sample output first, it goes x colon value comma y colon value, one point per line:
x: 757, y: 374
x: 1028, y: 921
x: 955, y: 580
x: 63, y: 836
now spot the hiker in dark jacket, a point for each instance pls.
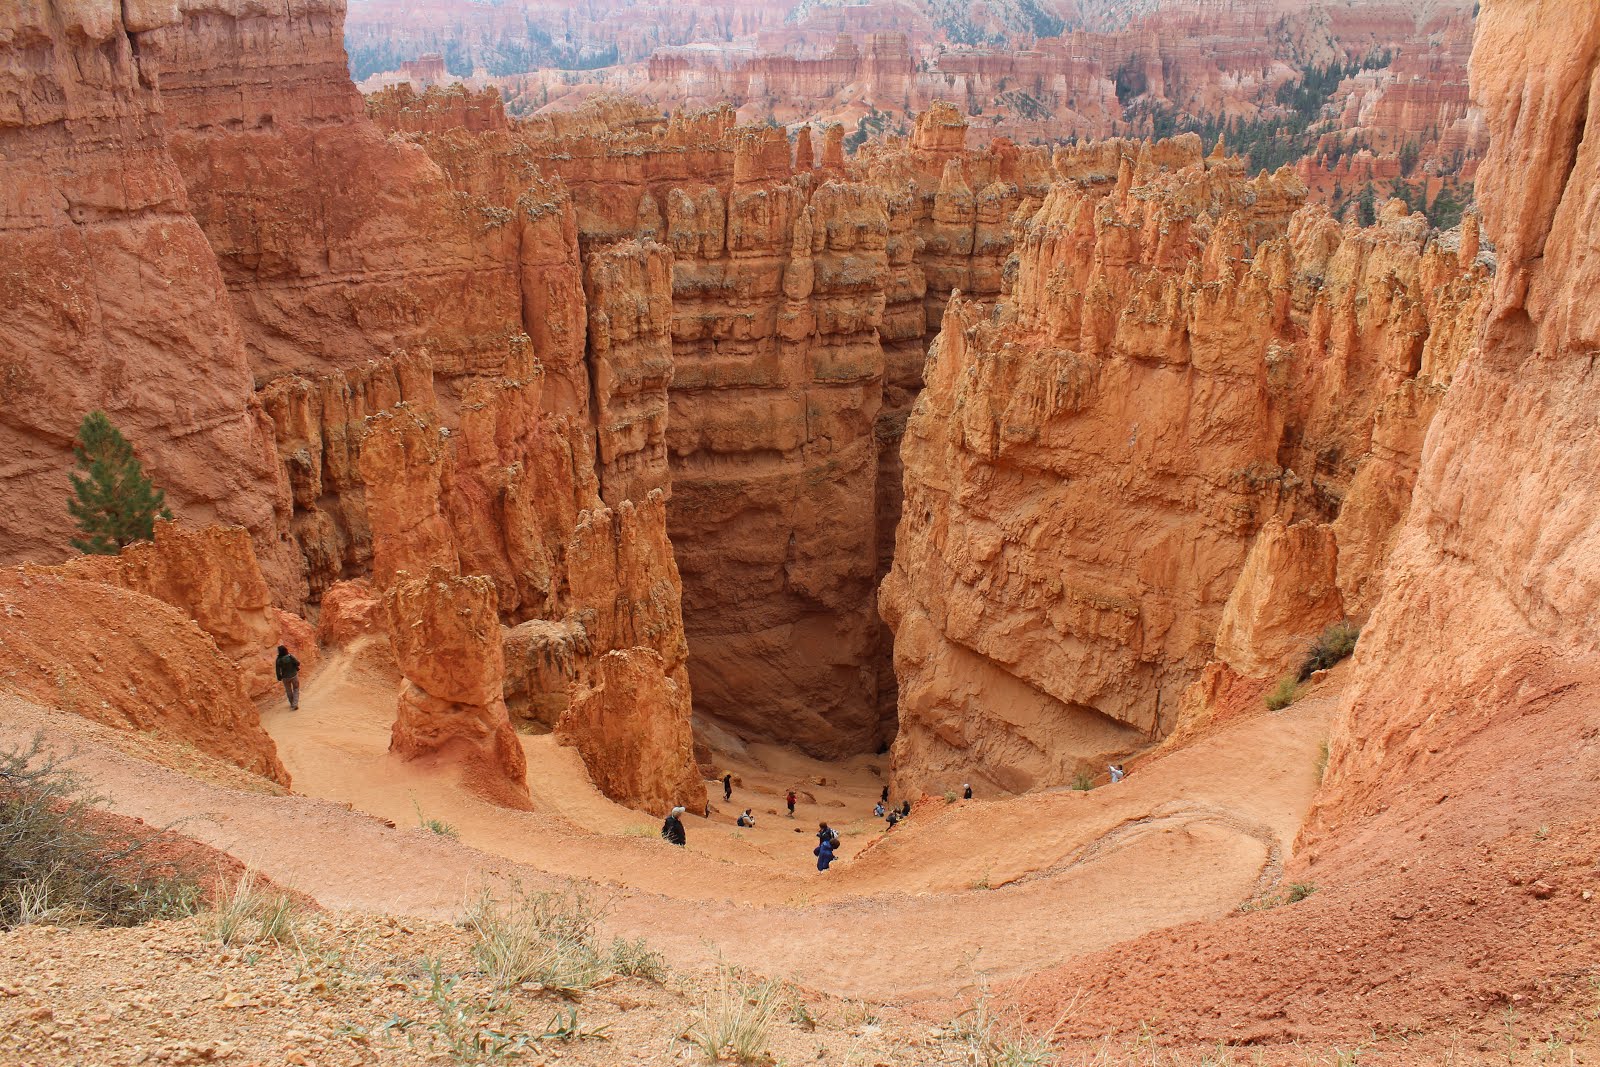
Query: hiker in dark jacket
x: 827, y: 835
x: 287, y: 668
x: 824, y: 854
x: 672, y: 829
x: 966, y: 792
x: 727, y: 787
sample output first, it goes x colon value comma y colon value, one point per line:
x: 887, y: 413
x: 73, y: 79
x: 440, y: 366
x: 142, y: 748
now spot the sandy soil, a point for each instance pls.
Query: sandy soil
x: 907, y: 916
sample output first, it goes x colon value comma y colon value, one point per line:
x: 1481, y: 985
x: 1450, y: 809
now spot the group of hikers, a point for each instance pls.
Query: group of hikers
x: 827, y: 837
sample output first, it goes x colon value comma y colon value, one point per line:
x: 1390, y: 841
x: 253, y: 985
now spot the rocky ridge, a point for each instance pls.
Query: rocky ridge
x: 1188, y: 434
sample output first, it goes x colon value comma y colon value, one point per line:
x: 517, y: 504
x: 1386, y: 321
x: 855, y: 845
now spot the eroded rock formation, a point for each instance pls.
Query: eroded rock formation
x: 126, y: 659
x: 315, y: 330
x: 113, y: 297
x: 1485, y: 633
x: 632, y: 728
x: 212, y: 576
x: 445, y: 632
x: 786, y: 310
x: 1186, y: 358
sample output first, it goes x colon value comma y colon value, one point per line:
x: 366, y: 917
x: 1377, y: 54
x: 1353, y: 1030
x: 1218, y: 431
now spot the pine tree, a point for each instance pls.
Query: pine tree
x: 1367, y: 206
x: 112, y: 500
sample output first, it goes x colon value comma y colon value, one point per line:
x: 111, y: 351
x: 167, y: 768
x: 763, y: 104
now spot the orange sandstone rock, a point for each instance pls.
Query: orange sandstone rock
x: 632, y: 727
x: 445, y: 633
x: 1487, y: 618
x: 1185, y: 359
x: 126, y: 659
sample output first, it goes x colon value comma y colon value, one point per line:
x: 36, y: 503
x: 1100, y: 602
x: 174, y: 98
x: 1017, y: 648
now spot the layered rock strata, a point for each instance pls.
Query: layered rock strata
x: 426, y: 396
x: 1186, y: 358
x: 114, y: 300
x: 1485, y: 628
x: 802, y: 294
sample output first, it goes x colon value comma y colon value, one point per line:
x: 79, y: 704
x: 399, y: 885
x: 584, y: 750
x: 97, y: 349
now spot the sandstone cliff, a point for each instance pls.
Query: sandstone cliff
x: 1483, y: 647
x: 324, y: 334
x: 1186, y: 358
x: 113, y: 298
x: 765, y: 375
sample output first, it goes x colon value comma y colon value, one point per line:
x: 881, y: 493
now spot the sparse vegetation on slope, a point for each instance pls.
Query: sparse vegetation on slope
x: 1334, y: 644
x: 57, y: 867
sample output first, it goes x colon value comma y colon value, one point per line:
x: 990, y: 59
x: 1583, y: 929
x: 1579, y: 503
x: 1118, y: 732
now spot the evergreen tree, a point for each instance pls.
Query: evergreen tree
x: 1367, y: 206
x: 112, y: 500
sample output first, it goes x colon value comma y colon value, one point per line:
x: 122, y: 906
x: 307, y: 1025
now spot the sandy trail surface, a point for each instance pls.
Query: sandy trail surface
x: 962, y: 893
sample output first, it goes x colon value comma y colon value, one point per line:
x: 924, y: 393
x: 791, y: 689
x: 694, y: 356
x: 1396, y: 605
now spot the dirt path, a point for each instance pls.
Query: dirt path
x: 906, y: 915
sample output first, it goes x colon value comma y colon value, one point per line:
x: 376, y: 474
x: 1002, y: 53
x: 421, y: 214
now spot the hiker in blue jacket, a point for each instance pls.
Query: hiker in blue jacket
x: 824, y: 854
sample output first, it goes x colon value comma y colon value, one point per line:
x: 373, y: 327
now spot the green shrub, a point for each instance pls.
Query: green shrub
x: 1083, y: 781
x: 58, y: 867
x: 1283, y: 694
x: 1332, y: 645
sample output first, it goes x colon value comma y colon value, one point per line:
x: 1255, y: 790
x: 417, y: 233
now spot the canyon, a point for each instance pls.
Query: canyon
x: 657, y: 381
x: 585, y: 454
x: 1372, y: 95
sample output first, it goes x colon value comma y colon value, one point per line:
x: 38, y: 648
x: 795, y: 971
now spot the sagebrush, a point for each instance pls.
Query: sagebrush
x: 1335, y: 643
x: 57, y: 866
x: 1283, y: 694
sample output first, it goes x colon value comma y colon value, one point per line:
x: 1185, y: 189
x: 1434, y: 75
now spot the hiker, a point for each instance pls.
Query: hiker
x: 966, y: 791
x: 878, y: 809
x: 905, y: 809
x: 1117, y: 773
x: 885, y: 795
x: 894, y: 817
x: 672, y: 829
x: 727, y: 787
x: 824, y: 854
x: 287, y: 668
x: 827, y: 835
x: 791, y: 803
x: 747, y: 819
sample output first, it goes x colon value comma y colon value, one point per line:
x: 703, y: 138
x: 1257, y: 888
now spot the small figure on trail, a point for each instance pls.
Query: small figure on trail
x: 905, y: 809
x: 894, y: 817
x: 287, y: 668
x: 791, y: 803
x: 824, y: 854
x: 727, y: 787
x: 878, y: 809
x: 672, y: 829
x: 827, y: 835
x: 1117, y: 773
x: 708, y: 810
x: 966, y: 791
x: 884, y: 796
x: 747, y: 819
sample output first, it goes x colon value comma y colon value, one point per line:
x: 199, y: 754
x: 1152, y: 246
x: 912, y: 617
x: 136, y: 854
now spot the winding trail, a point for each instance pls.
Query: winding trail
x: 908, y: 915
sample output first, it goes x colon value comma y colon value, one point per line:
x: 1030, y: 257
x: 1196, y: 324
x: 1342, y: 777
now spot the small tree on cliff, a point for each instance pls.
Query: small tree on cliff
x: 112, y: 500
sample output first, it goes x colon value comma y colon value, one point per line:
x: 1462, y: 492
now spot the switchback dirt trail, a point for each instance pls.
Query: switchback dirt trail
x: 906, y: 915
